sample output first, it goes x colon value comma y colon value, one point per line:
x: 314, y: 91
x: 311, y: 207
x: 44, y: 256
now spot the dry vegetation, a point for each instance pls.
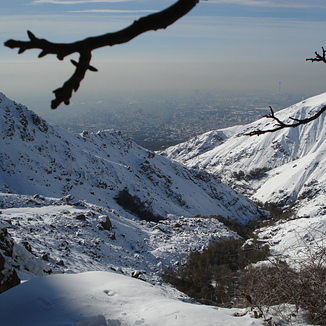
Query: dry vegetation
x: 242, y: 273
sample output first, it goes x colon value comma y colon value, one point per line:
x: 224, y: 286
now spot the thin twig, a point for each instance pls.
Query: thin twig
x: 281, y: 125
x: 318, y: 57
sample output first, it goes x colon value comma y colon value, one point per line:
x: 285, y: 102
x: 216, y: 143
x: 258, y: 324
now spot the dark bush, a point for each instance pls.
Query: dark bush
x: 254, y: 174
x: 277, y: 212
x: 134, y: 205
x: 243, y: 230
x: 223, y: 275
x: 213, y: 275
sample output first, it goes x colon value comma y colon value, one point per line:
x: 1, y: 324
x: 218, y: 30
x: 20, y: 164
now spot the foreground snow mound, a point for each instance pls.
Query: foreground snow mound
x: 279, y: 167
x: 106, y: 169
x: 104, y: 299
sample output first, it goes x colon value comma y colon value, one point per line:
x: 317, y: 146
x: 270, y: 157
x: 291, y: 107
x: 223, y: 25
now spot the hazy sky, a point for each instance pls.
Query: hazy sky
x: 234, y: 45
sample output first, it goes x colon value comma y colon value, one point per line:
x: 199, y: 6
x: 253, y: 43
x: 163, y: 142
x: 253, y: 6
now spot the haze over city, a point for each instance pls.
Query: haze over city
x: 232, y: 46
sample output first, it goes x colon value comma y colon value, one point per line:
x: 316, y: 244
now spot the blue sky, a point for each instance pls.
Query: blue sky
x: 237, y: 45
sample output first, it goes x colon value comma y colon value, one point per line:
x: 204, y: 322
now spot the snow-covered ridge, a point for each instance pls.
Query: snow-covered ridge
x: 276, y: 167
x: 70, y: 236
x: 76, y: 203
x: 39, y: 158
x: 56, y: 232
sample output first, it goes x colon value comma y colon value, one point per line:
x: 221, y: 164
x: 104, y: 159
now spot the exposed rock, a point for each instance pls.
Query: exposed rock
x: 8, y: 279
x: 105, y: 222
x: 2, y: 262
x: 139, y: 275
x: 6, y: 243
x: 27, y: 246
x: 46, y: 257
x: 61, y: 263
x: 80, y: 217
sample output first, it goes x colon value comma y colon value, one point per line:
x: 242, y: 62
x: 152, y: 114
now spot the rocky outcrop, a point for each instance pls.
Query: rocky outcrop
x: 8, y: 276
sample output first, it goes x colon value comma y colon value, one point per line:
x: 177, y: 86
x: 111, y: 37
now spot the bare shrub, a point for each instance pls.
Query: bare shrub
x: 312, y: 285
x: 211, y: 276
x: 239, y: 273
x: 276, y: 283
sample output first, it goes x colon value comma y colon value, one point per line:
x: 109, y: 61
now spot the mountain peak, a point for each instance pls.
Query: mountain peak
x: 278, y: 167
x: 18, y: 121
x: 38, y: 158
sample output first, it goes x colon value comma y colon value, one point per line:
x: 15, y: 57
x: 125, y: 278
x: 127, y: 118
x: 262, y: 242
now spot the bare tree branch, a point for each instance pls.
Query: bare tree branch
x: 318, y: 57
x: 281, y: 125
x: 159, y: 20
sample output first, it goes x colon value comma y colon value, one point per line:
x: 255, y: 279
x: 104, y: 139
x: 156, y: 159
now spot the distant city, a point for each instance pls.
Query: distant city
x: 158, y: 120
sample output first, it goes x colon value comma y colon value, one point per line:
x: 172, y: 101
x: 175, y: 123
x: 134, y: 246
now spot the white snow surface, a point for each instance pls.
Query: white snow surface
x: 58, y: 189
x: 296, y: 240
x: 69, y: 238
x: 279, y: 167
x: 57, y: 192
x: 287, y: 167
x: 39, y: 158
x: 107, y: 299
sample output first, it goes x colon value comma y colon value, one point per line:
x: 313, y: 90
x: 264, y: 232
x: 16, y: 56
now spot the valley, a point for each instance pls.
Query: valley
x: 98, y: 202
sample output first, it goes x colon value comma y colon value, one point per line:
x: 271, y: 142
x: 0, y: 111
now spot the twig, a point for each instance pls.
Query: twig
x: 159, y: 20
x: 319, y: 58
x: 281, y: 125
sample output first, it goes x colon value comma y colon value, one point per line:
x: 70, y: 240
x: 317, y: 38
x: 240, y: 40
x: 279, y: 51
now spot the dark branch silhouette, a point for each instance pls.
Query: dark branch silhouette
x: 153, y: 22
x: 281, y: 125
x: 318, y: 57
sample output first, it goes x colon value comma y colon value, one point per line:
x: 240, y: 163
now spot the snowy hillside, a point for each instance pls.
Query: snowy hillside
x: 74, y: 203
x: 69, y: 236
x: 105, y: 169
x: 98, y: 202
x: 104, y: 215
x: 108, y: 299
x: 279, y: 167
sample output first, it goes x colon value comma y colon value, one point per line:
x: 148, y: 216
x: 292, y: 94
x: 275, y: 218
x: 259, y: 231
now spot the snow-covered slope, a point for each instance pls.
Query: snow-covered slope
x: 39, y: 158
x: 278, y: 167
x: 99, y: 202
x: 74, y: 203
x: 59, y: 213
x: 107, y: 299
x: 69, y: 236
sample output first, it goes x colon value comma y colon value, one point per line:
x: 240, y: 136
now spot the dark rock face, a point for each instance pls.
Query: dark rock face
x: 8, y: 276
x: 106, y: 223
x: 6, y: 242
x: 2, y: 262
